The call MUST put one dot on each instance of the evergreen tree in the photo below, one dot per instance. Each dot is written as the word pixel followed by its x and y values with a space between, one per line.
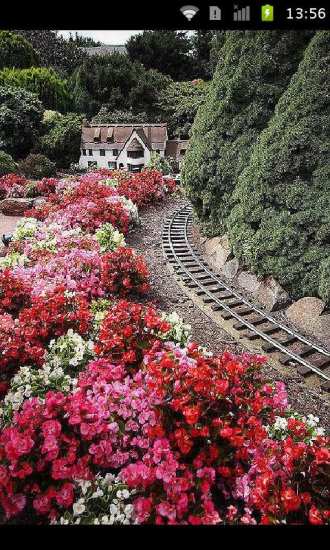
pixel 15 51
pixel 20 120
pixel 281 222
pixel 52 91
pixel 253 70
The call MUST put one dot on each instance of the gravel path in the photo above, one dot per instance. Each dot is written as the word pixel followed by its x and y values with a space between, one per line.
pixel 168 296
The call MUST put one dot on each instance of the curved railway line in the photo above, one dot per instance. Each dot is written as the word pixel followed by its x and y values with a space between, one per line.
pixel 251 322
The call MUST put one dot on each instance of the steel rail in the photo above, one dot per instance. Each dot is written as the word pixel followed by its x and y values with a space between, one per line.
pixel 181 219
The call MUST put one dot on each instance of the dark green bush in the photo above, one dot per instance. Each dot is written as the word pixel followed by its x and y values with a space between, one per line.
pixel 281 222
pixel 20 120
pixel 15 51
pixel 61 143
pixel 7 164
pixel 45 83
pixel 253 70
pixel 37 166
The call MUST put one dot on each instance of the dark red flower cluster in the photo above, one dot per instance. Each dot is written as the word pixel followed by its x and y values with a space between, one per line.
pixel 146 187
pixel 14 294
pixel 23 341
pixel 127 331
pixel 124 272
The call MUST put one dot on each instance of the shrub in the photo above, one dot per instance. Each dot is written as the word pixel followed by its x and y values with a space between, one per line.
pixel 281 223
pixel 37 166
pixel 45 83
pixel 254 69
pixel 15 51
pixel 159 163
pixel 20 120
pixel 62 141
pixel 7 164
pixel 324 286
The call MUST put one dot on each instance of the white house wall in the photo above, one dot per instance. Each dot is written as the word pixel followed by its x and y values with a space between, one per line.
pixel 122 158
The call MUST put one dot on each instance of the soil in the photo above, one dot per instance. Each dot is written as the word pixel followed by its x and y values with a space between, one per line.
pixel 167 295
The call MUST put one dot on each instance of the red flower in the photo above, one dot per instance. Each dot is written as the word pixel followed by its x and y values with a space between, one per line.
pixel 291 501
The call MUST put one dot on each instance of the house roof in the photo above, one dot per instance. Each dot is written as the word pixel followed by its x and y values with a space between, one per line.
pixel 104 50
pixel 153 135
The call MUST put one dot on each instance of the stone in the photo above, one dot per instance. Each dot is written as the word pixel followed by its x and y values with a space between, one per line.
pixel 15 206
pixel 38 201
pixel 271 295
pixel 249 281
pixel 217 250
pixel 307 308
pixel 307 315
pixel 230 269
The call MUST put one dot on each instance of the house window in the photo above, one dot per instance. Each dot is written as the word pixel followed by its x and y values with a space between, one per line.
pixel 102 152
pixel 90 152
pixel 115 152
pixel 135 167
pixel 112 165
pixel 92 164
pixel 135 154
pixel 84 152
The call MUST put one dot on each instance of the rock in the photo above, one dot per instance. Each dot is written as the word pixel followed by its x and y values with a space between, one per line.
pixel 15 207
pixel 38 201
pixel 230 269
pixel 249 281
pixel 271 295
pixel 306 315
pixel 306 308
pixel 218 251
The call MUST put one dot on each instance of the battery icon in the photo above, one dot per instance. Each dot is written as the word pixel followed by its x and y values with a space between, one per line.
pixel 267 13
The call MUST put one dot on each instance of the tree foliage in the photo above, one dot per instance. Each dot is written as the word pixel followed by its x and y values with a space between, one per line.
pixel 83 41
pixel 54 51
pixel 105 116
pixel 114 81
pixel 7 164
pixel 15 51
pixel 61 143
pixel 166 51
pixel 20 120
pixel 179 103
pixel 37 166
pixel 253 70
pixel 281 221
pixel 52 91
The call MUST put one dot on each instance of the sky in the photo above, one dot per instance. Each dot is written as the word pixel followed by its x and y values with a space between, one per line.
pixel 106 37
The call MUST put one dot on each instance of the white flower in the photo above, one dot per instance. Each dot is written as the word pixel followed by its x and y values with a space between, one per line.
pixel 78 508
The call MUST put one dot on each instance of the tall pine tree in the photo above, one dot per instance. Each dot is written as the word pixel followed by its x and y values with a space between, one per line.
pixel 281 222
pixel 253 70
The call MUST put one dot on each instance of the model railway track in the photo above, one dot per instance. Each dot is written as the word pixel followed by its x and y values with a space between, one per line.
pixel 252 322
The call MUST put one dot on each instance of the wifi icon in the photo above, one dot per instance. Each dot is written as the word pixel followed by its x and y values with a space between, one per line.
pixel 189 11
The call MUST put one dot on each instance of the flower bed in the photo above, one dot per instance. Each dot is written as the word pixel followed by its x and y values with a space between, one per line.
pixel 109 413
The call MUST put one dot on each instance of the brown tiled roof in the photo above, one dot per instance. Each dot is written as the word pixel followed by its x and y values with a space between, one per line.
pixel 153 133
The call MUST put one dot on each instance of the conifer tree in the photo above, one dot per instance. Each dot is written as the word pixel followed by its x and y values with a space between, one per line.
pixel 254 69
pixel 281 222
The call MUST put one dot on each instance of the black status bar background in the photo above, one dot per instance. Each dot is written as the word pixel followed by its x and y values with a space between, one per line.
pixel 155 14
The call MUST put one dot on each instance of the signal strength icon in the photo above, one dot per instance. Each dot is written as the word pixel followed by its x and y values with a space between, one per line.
pixel 189 11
